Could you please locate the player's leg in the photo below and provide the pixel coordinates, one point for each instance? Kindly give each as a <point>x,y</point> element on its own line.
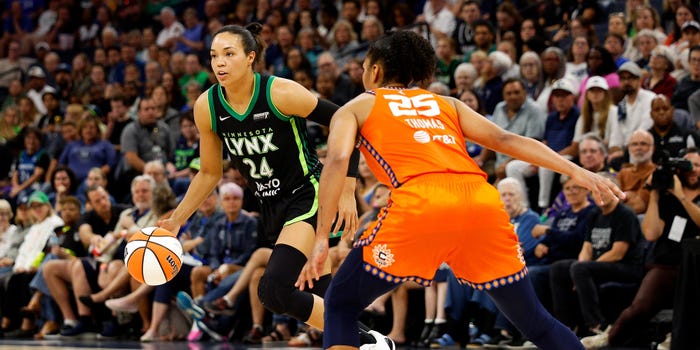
<point>277,291</point>
<point>521,306</point>
<point>349,293</point>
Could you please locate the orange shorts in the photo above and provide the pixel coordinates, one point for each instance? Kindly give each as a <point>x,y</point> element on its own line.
<point>436,218</point>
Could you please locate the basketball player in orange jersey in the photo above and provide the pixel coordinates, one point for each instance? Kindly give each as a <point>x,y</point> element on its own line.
<point>441,206</point>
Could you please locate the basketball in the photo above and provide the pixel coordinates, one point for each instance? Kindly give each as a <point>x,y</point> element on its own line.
<point>153,256</point>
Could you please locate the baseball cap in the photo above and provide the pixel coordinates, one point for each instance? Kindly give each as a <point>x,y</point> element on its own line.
<point>42,45</point>
<point>36,72</point>
<point>63,67</point>
<point>195,164</point>
<point>597,81</point>
<point>630,67</point>
<point>690,24</point>
<point>564,85</point>
<point>664,52</point>
<point>38,197</point>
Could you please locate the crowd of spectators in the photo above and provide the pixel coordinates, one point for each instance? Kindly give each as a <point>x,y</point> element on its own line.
<point>97,139</point>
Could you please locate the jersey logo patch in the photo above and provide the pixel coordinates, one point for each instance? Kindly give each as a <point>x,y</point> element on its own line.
<point>261,116</point>
<point>383,256</point>
<point>421,136</point>
<point>222,118</point>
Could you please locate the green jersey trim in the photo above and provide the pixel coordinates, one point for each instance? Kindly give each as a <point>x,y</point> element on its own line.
<point>251,103</point>
<point>275,111</point>
<point>212,109</point>
<point>314,207</point>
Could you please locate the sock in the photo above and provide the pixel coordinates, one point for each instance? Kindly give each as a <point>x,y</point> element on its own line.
<point>440,320</point>
<point>228,302</point>
<point>71,323</point>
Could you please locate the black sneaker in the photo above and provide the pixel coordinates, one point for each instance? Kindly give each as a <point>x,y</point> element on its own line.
<point>79,331</point>
<point>498,341</point>
<point>57,335</point>
<point>110,330</point>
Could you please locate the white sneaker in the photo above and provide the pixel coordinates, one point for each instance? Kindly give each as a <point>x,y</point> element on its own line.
<point>382,342</point>
<point>666,345</point>
<point>596,341</point>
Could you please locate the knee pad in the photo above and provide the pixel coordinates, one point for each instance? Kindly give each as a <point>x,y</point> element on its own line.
<point>276,289</point>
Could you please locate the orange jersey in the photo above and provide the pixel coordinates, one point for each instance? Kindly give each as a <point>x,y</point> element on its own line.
<point>411,132</point>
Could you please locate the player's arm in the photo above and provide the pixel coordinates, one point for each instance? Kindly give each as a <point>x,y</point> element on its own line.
<point>211,166</point>
<point>482,131</point>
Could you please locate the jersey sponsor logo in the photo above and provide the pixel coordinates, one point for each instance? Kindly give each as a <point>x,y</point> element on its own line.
<point>430,123</point>
<point>421,136</point>
<point>259,144</point>
<point>269,188</point>
<point>382,255</point>
<point>446,139</point>
<point>261,116</point>
<point>222,118</point>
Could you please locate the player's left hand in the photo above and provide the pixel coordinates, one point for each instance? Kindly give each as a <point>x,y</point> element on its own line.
<point>602,188</point>
<point>313,268</point>
<point>347,210</point>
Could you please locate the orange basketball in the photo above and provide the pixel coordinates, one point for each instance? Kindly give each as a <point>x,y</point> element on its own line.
<point>153,256</point>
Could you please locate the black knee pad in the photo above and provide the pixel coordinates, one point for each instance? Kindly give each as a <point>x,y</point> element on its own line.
<point>321,285</point>
<point>276,289</point>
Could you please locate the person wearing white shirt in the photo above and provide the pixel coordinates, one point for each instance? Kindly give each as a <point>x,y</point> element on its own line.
<point>172,29</point>
<point>634,111</point>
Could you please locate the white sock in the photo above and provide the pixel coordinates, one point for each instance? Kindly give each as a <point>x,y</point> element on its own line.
<point>71,323</point>
<point>228,302</point>
<point>440,320</point>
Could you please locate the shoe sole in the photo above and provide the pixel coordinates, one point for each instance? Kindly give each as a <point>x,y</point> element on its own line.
<point>226,312</point>
<point>215,336</point>
<point>186,304</point>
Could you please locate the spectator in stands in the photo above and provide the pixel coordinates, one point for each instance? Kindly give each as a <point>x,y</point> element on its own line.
<point>601,63</point>
<point>690,38</point>
<point>690,84</point>
<point>645,17</point>
<point>440,19</point>
<point>28,258</point>
<point>562,239</point>
<point>615,44</point>
<point>597,112</point>
<point>668,135</point>
<point>144,140</point>
<point>491,92</point>
<point>463,34</point>
<point>464,76</point>
<point>592,155</point>
<point>682,13</point>
<point>62,183</point>
<point>484,39</point>
<point>11,238</point>
<point>633,178</point>
<point>11,98</point>
<point>193,72</point>
<point>611,252</point>
<point>190,41</point>
<point>660,80</point>
<point>558,135</point>
<point>343,45</point>
<point>343,86</point>
<point>577,66</point>
<point>90,151</point>
<point>447,63</point>
<point>553,69</point>
<point>646,42</point>
<point>37,87</point>
<point>186,149</point>
<point>12,67</point>
<point>634,111</point>
<point>31,165</point>
<point>153,75</point>
<point>657,289</point>
<point>172,29</point>
<point>516,114</point>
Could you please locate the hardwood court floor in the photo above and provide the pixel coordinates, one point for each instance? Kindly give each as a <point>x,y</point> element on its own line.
<point>8,344</point>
